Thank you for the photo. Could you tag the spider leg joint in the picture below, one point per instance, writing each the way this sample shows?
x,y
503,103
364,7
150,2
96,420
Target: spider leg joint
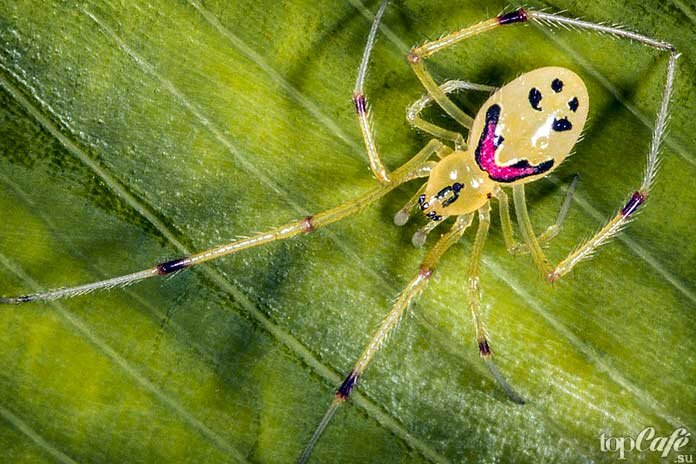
x,y
484,349
637,199
172,266
308,224
360,103
517,16
425,272
347,386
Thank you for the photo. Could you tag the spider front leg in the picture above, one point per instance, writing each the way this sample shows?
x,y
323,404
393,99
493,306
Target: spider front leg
x,y
401,217
414,118
361,107
363,111
516,248
417,56
413,169
389,324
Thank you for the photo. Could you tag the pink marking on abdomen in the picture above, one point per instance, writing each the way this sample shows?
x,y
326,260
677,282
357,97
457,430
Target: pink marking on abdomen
x,y
485,154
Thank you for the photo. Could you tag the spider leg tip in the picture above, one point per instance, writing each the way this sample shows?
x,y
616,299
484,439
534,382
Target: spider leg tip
x,y
401,218
15,300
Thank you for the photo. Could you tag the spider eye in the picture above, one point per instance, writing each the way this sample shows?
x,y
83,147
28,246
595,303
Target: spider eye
x,y
557,85
535,98
561,125
573,104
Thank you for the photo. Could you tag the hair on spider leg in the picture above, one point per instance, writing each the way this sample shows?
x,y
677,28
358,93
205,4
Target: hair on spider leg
x,y
553,20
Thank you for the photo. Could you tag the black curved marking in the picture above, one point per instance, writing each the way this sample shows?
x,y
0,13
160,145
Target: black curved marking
x,y
541,167
557,85
573,104
452,190
561,125
488,145
434,216
535,98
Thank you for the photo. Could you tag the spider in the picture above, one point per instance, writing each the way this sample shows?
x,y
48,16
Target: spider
x,y
523,132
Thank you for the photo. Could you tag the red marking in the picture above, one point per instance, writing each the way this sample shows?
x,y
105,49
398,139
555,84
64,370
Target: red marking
x,y
487,159
487,146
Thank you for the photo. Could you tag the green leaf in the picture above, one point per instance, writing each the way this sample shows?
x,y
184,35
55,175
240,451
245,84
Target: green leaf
x,y
134,132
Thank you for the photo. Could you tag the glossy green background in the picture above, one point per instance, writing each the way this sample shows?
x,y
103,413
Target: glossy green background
x,y
134,132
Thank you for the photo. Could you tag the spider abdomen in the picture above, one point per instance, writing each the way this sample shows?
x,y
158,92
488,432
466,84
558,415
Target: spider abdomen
x,y
528,127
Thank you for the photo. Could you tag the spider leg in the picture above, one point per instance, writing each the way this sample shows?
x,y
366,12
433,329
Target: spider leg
x,y
361,106
389,324
627,212
474,302
401,217
421,235
417,56
553,20
516,248
637,198
414,118
409,171
439,95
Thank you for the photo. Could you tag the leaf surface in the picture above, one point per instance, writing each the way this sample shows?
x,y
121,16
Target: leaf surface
x,y
131,133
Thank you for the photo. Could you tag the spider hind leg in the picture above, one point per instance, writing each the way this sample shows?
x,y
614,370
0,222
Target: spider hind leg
x,y
389,324
474,303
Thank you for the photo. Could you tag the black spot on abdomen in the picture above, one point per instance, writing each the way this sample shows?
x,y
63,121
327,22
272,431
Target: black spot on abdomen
x,y
535,98
562,125
573,104
557,85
